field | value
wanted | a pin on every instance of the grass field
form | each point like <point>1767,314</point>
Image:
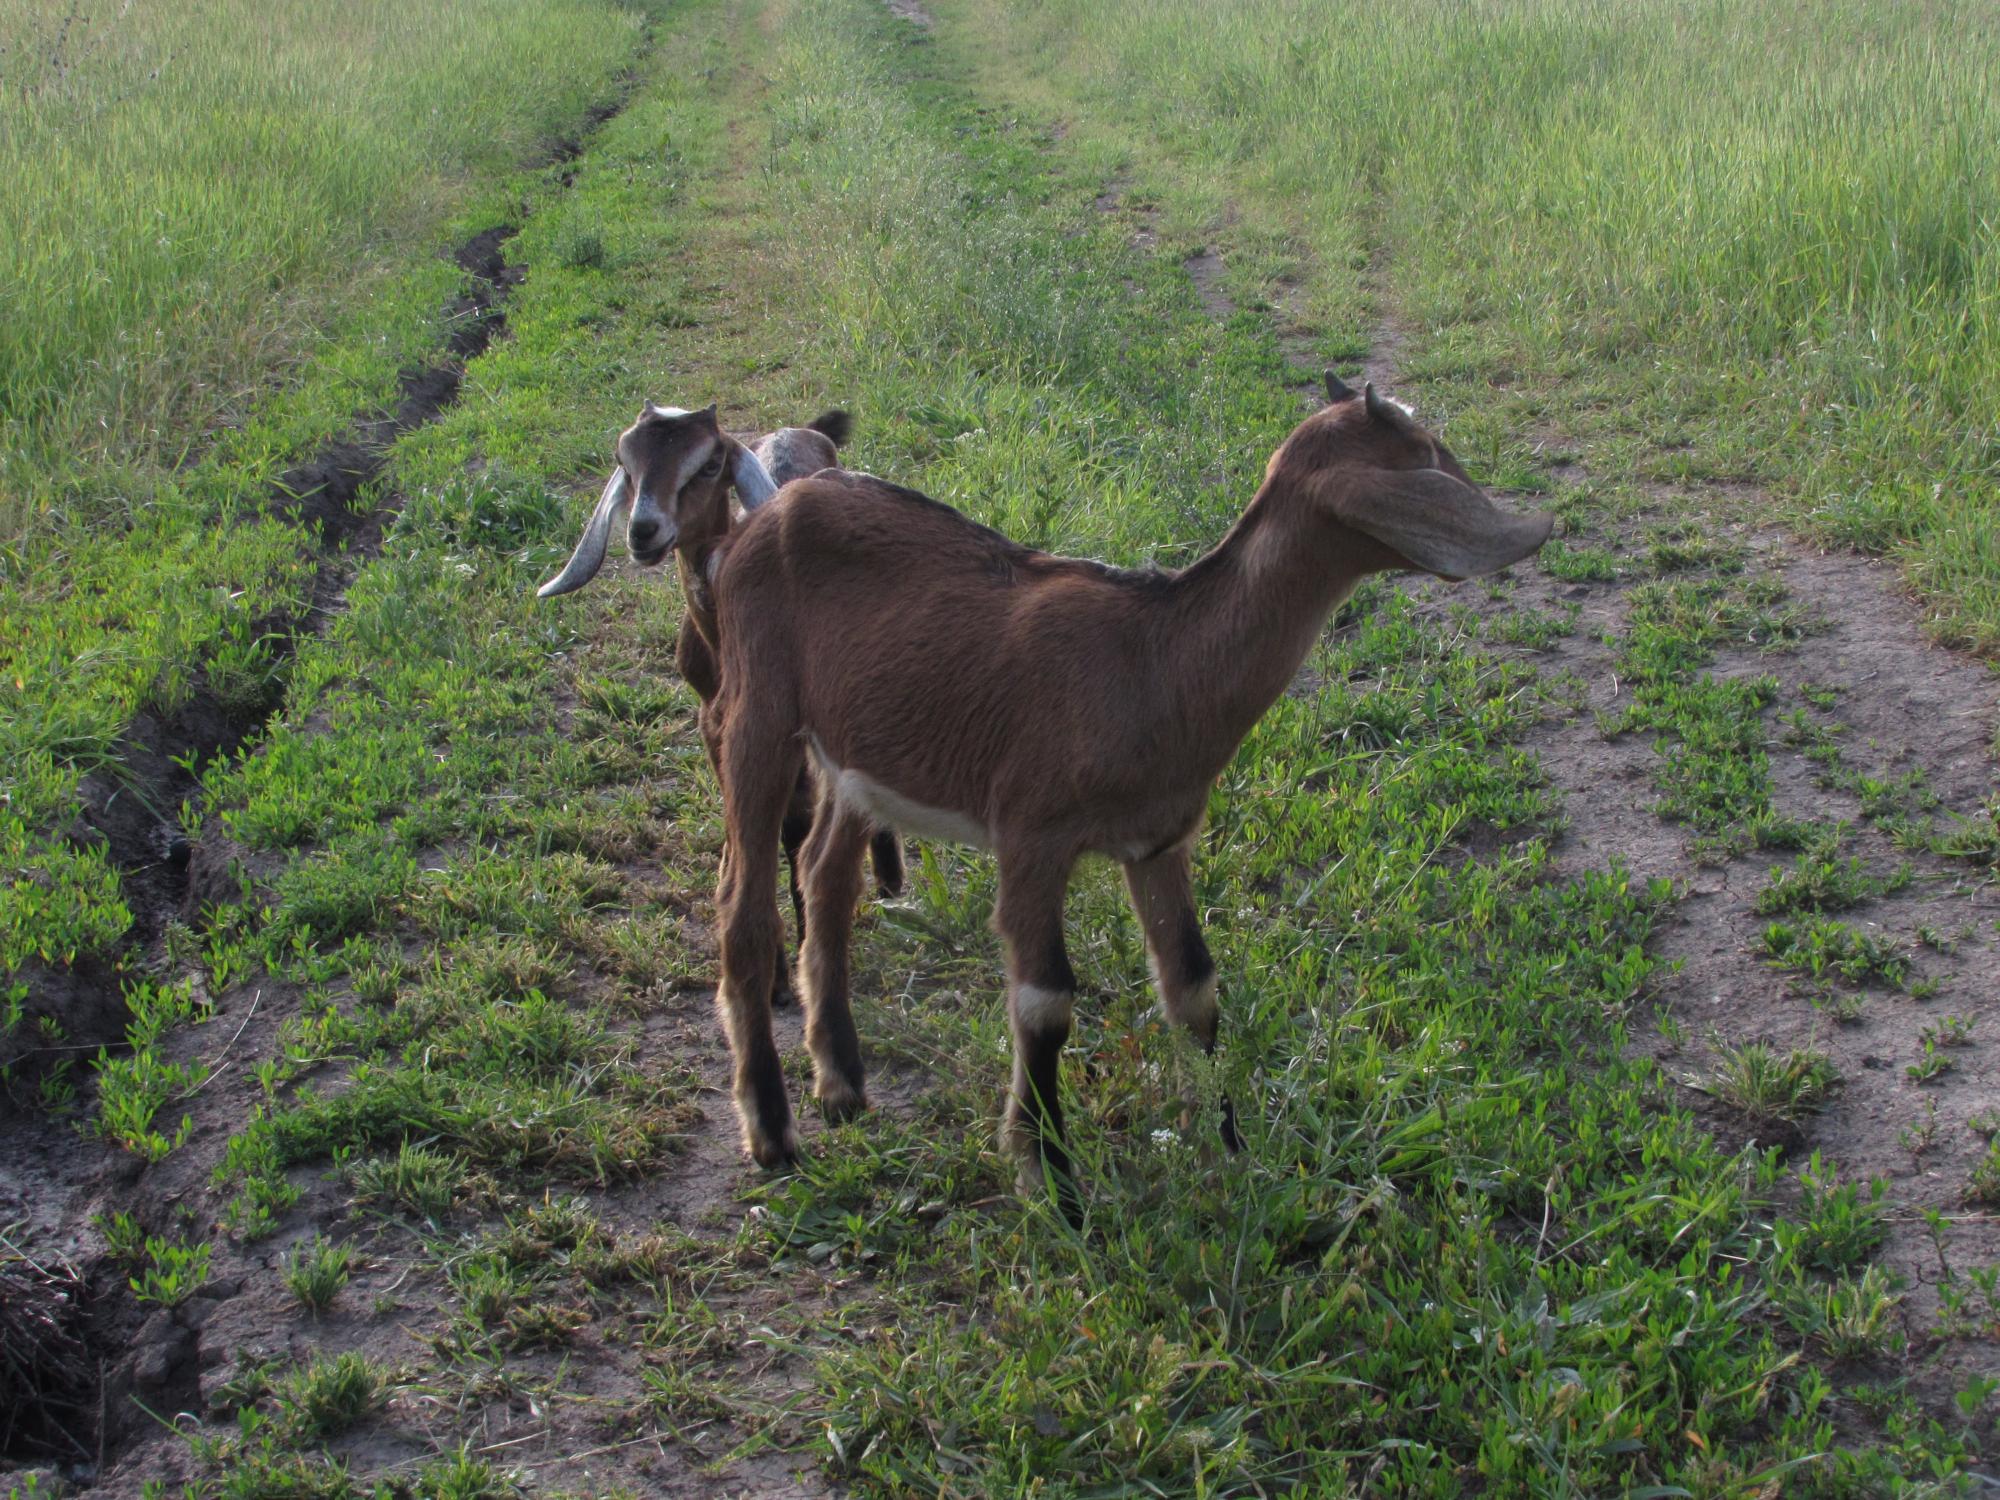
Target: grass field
<point>406,1168</point>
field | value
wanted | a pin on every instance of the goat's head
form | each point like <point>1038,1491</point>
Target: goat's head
<point>671,485</point>
<point>1364,462</point>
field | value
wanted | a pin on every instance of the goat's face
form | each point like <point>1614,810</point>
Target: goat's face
<point>1396,493</point>
<point>681,470</point>
<point>670,486</point>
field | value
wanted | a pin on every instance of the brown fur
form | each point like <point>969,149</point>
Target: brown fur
<point>693,519</point>
<point>1053,706</point>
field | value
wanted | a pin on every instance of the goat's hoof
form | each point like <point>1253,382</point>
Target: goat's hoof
<point>771,1150</point>
<point>775,1155</point>
<point>1232,1138</point>
<point>783,996</point>
<point>1034,1178</point>
<point>840,1101</point>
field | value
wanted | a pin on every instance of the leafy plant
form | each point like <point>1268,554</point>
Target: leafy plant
<point>170,1273</point>
<point>316,1270</point>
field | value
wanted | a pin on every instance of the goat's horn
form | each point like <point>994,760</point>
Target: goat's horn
<point>1378,407</point>
<point>589,555</point>
<point>1337,389</point>
<point>754,484</point>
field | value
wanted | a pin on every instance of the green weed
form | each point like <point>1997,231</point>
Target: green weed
<point>1982,1185</point>
<point>1838,1227</point>
<point>329,1395</point>
<point>1851,1319</point>
<point>170,1273</point>
<point>1816,882</point>
<point>316,1270</point>
<point>1822,948</point>
<point>1767,1084</point>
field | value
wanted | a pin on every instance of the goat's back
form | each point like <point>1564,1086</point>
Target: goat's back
<point>797,452</point>
<point>895,630</point>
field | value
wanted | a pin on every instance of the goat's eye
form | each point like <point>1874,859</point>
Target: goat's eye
<point>712,468</point>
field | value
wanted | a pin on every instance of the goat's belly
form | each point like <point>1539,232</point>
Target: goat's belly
<point>886,807</point>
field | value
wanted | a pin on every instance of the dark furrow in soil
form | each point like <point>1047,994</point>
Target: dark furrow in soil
<point>136,808</point>
<point>56,1181</point>
<point>136,1356</point>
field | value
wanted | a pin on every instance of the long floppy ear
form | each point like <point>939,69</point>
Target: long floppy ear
<point>754,484</point>
<point>589,555</point>
<point>1442,525</point>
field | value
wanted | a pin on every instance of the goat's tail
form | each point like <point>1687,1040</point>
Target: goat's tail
<point>834,425</point>
<point>885,851</point>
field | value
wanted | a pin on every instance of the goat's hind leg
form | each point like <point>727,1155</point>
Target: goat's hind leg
<point>885,852</point>
<point>833,885</point>
<point>1162,891</point>
<point>760,763</point>
<point>1041,990</point>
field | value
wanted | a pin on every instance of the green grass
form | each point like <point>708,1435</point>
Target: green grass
<point>316,1270</point>
<point>187,215</point>
<point>157,382</point>
<point>1755,239</point>
<point>1767,1084</point>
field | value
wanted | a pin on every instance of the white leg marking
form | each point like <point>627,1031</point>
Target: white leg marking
<point>1037,1010</point>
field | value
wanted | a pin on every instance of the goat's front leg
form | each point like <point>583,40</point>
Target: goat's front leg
<point>759,768</point>
<point>709,721</point>
<point>1162,891</point>
<point>1041,989</point>
<point>792,835</point>
<point>833,886</point>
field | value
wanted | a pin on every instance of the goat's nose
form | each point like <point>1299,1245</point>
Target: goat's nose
<point>644,531</point>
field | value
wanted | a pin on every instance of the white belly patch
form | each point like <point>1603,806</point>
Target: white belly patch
<point>888,808</point>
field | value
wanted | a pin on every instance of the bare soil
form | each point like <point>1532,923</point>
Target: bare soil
<point>1906,704</point>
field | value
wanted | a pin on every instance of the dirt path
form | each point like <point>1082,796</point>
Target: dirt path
<point>1912,726</point>
<point>1900,705</point>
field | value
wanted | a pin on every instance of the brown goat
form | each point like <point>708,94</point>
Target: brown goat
<point>687,457</point>
<point>952,683</point>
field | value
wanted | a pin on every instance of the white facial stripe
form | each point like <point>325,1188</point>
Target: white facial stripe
<point>668,411</point>
<point>692,462</point>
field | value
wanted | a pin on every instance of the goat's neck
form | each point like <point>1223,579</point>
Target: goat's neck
<point>694,565</point>
<point>1249,611</point>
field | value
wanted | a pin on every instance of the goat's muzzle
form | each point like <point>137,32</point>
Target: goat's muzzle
<point>650,538</point>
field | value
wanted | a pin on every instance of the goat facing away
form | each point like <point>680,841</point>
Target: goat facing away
<point>686,458</point>
<point>951,683</point>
